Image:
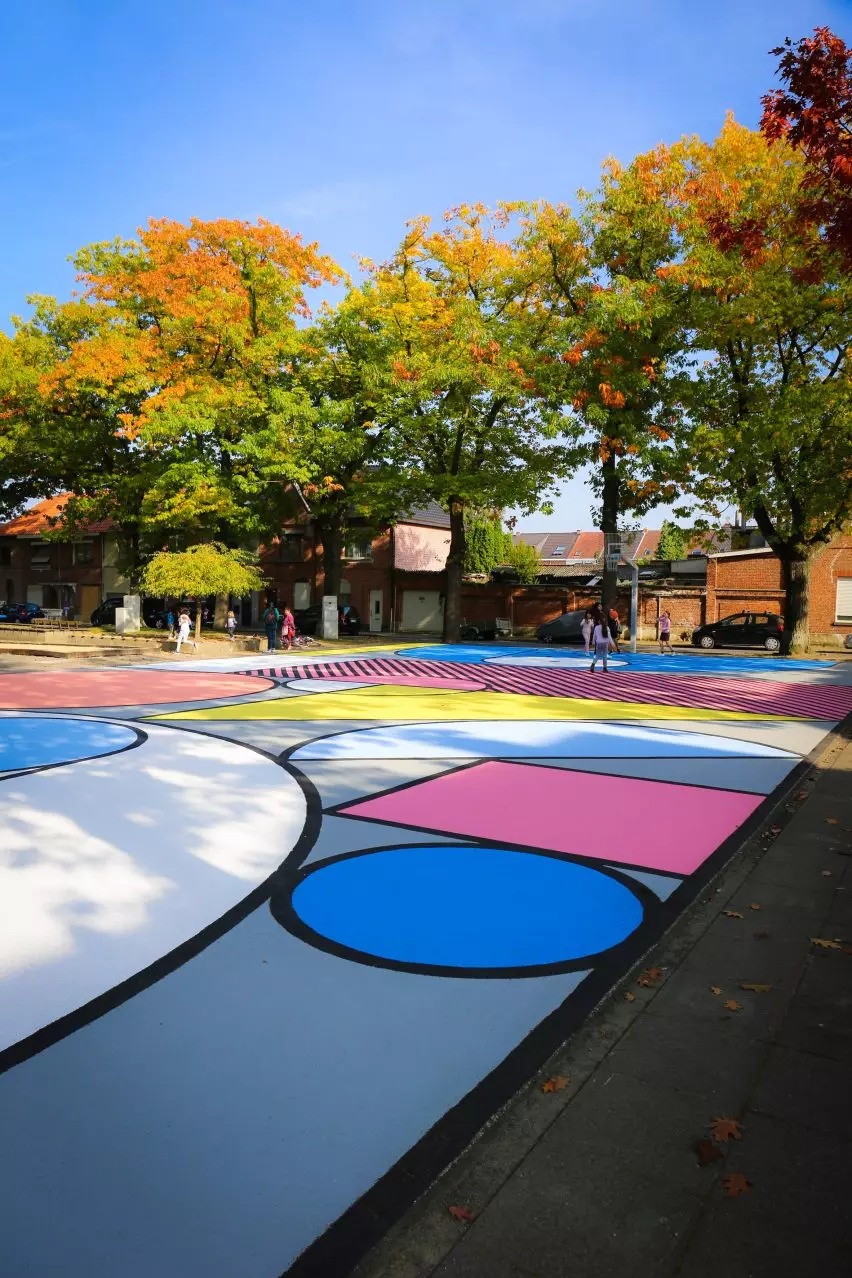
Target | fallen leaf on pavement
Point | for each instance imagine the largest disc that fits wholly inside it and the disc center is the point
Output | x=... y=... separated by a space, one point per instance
x=736 y=1184
x=715 y=989
x=732 y=914
x=732 y=1005
x=649 y=976
x=826 y=874
x=629 y=996
x=755 y=987
x=722 y=1128
x=775 y=829
x=801 y=794
x=754 y=906
x=462 y=1213
x=708 y=1153
x=826 y=944
x=556 y=1084
x=831 y=821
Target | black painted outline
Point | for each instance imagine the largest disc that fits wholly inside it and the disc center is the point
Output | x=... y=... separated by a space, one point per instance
x=335 y=1253
x=284 y=912
x=77 y=1019
x=8 y=774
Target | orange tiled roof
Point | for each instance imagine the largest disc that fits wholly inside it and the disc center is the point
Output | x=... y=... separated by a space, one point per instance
x=44 y=516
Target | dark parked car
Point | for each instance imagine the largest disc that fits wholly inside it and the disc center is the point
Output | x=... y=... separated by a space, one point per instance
x=742 y=630
x=308 y=619
x=564 y=629
x=104 y=614
x=19 y=614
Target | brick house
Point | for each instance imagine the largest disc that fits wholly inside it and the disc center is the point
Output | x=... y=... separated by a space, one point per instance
x=72 y=575
x=752 y=580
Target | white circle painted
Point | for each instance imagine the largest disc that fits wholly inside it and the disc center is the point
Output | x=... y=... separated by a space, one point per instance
x=550 y=662
x=108 y=864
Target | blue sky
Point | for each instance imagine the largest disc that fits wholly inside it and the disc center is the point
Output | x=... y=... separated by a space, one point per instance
x=343 y=118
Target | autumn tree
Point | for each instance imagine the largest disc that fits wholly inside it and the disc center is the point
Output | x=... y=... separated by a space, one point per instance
x=472 y=428
x=165 y=397
x=813 y=113
x=620 y=338
x=771 y=409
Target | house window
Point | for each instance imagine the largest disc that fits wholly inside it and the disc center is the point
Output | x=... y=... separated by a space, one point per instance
x=40 y=554
x=83 y=552
x=5 y=554
x=560 y=550
x=358 y=550
x=291 y=548
x=843 y=601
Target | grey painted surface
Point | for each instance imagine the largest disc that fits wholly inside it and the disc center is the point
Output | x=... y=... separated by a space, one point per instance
x=220 y=1120
x=758 y=776
x=785 y=734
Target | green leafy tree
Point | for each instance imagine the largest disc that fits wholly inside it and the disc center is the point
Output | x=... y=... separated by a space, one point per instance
x=472 y=429
x=207 y=569
x=673 y=543
x=525 y=560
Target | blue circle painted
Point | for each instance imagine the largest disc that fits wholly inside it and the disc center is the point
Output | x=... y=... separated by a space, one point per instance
x=36 y=741
x=466 y=907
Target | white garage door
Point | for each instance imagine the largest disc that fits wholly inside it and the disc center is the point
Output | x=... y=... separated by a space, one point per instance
x=421 y=610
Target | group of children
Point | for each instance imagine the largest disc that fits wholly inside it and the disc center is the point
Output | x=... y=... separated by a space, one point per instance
x=272 y=619
x=601 y=634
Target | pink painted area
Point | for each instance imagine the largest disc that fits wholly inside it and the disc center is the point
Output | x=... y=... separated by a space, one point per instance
x=75 y=689
x=419 y=549
x=422 y=681
x=672 y=827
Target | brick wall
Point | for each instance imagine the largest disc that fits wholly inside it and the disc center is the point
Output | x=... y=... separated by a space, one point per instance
x=755 y=582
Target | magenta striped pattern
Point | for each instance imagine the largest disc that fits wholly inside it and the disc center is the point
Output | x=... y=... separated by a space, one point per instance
x=758 y=696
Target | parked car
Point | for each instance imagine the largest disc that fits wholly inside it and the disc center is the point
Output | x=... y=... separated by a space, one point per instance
x=308 y=620
x=486 y=629
x=742 y=630
x=564 y=629
x=16 y=614
x=104 y=614
x=160 y=616
x=32 y=610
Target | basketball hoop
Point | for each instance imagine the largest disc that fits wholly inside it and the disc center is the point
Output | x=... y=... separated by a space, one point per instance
x=613 y=555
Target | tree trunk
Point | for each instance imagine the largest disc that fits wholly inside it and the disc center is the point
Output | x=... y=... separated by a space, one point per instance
x=796 y=565
x=609 y=526
x=455 y=569
x=197 y=620
x=331 y=535
x=220 y=612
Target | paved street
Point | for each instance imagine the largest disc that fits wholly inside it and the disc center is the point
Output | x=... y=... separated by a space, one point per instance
x=281 y=933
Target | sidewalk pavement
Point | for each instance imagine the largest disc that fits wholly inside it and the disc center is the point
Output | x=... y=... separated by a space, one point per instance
x=602 y=1177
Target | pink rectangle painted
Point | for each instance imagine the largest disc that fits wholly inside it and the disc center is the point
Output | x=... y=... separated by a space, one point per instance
x=672 y=827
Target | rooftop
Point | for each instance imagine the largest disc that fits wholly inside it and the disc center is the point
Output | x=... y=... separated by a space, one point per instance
x=44 y=516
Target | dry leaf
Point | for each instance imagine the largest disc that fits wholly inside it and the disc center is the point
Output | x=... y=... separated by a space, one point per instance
x=462 y=1213
x=650 y=976
x=732 y=1005
x=721 y=1128
x=556 y=1084
x=715 y=989
x=801 y=794
x=826 y=874
x=775 y=829
x=732 y=914
x=826 y=944
x=708 y=1153
x=754 y=906
x=629 y=997
x=755 y=987
x=736 y=1184
x=831 y=821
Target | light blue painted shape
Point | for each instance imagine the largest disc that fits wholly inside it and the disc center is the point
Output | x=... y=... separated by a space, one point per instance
x=207 y=1127
x=530 y=739
x=36 y=741
x=647 y=662
x=463 y=906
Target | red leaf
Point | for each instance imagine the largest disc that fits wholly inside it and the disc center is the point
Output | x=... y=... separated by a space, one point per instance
x=462 y=1213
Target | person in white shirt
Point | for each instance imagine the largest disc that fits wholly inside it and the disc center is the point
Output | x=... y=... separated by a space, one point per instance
x=184 y=627
x=587 y=625
x=603 y=641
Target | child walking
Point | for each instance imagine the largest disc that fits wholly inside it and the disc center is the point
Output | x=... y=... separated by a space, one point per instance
x=665 y=624
x=184 y=627
x=231 y=625
x=603 y=642
x=587 y=626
